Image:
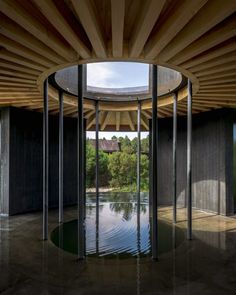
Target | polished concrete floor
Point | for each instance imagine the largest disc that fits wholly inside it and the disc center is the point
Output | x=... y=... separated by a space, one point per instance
x=205 y=265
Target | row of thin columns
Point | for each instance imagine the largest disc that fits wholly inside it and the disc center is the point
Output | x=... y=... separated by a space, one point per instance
x=81 y=162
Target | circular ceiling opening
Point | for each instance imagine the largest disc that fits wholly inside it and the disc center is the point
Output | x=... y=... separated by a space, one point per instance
x=118 y=81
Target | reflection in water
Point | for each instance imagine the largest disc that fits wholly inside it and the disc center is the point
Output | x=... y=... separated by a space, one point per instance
x=123 y=229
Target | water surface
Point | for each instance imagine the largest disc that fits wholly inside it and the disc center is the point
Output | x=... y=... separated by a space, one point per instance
x=119 y=228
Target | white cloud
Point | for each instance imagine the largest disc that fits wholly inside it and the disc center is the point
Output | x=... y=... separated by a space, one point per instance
x=101 y=75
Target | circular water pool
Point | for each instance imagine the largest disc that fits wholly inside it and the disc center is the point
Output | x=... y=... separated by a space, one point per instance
x=121 y=230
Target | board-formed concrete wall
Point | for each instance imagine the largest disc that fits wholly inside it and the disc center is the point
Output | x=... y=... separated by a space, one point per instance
x=212 y=157
x=22 y=159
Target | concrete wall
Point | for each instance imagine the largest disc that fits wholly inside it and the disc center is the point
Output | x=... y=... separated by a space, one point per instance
x=212 y=156
x=22 y=159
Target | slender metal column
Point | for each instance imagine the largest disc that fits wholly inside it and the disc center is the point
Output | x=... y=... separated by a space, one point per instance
x=80 y=175
x=174 y=158
x=154 y=165
x=45 y=160
x=97 y=152
x=138 y=149
x=97 y=174
x=84 y=162
x=61 y=132
x=84 y=186
x=150 y=165
x=189 y=161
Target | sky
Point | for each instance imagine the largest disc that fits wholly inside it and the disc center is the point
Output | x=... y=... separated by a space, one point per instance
x=117 y=75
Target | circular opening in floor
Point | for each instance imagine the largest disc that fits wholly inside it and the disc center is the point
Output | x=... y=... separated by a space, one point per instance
x=122 y=229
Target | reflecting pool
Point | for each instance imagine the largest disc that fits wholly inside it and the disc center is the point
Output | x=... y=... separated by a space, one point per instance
x=120 y=228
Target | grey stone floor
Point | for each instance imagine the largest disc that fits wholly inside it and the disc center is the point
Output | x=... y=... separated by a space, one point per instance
x=205 y=265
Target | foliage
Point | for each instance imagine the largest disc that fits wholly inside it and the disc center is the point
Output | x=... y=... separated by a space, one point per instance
x=104 y=175
x=119 y=169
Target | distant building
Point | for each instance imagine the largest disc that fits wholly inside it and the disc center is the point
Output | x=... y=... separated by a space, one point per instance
x=106 y=145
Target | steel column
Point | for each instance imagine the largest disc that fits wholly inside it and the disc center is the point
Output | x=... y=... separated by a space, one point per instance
x=174 y=158
x=150 y=165
x=97 y=174
x=154 y=164
x=138 y=149
x=61 y=141
x=189 y=161
x=97 y=152
x=45 y=160
x=80 y=171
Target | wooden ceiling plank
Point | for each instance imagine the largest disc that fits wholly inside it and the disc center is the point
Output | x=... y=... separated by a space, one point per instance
x=19 y=85
x=181 y=15
x=143 y=122
x=130 y=121
x=89 y=114
x=17 y=74
x=12 y=66
x=212 y=13
x=219 y=34
x=218 y=86
x=117 y=19
x=147 y=114
x=87 y=15
x=10 y=30
x=221 y=60
x=90 y=123
x=216 y=69
x=9 y=56
x=105 y=120
x=210 y=57
x=150 y=12
x=50 y=11
x=217 y=94
x=118 y=119
x=22 y=80
x=16 y=48
x=223 y=74
x=15 y=11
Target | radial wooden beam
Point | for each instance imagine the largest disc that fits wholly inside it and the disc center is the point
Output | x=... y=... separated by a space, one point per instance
x=130 y=121
x=144 y=122
x=8 y=65
x=23 y=51
x=49 y=9
x=105 y=120
x=219 y=34
x=213 y=54
x=217 y=69
x=18 y=84
x=223 y=74
x=90 y=114
x=14 y=79
x=117 y=19
x=17 y=74
x=215 y=62
x=180 y=16
x=215 y=81
x=18 y=14
x=147 y=114
x=10 y=30
x=210 y=15
x=118 y=118
x=150 y=12
x=89 y=19
x=224 y=86
x=9 y=56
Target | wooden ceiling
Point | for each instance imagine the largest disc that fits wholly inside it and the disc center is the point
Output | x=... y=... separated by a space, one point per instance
x=195 y=37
